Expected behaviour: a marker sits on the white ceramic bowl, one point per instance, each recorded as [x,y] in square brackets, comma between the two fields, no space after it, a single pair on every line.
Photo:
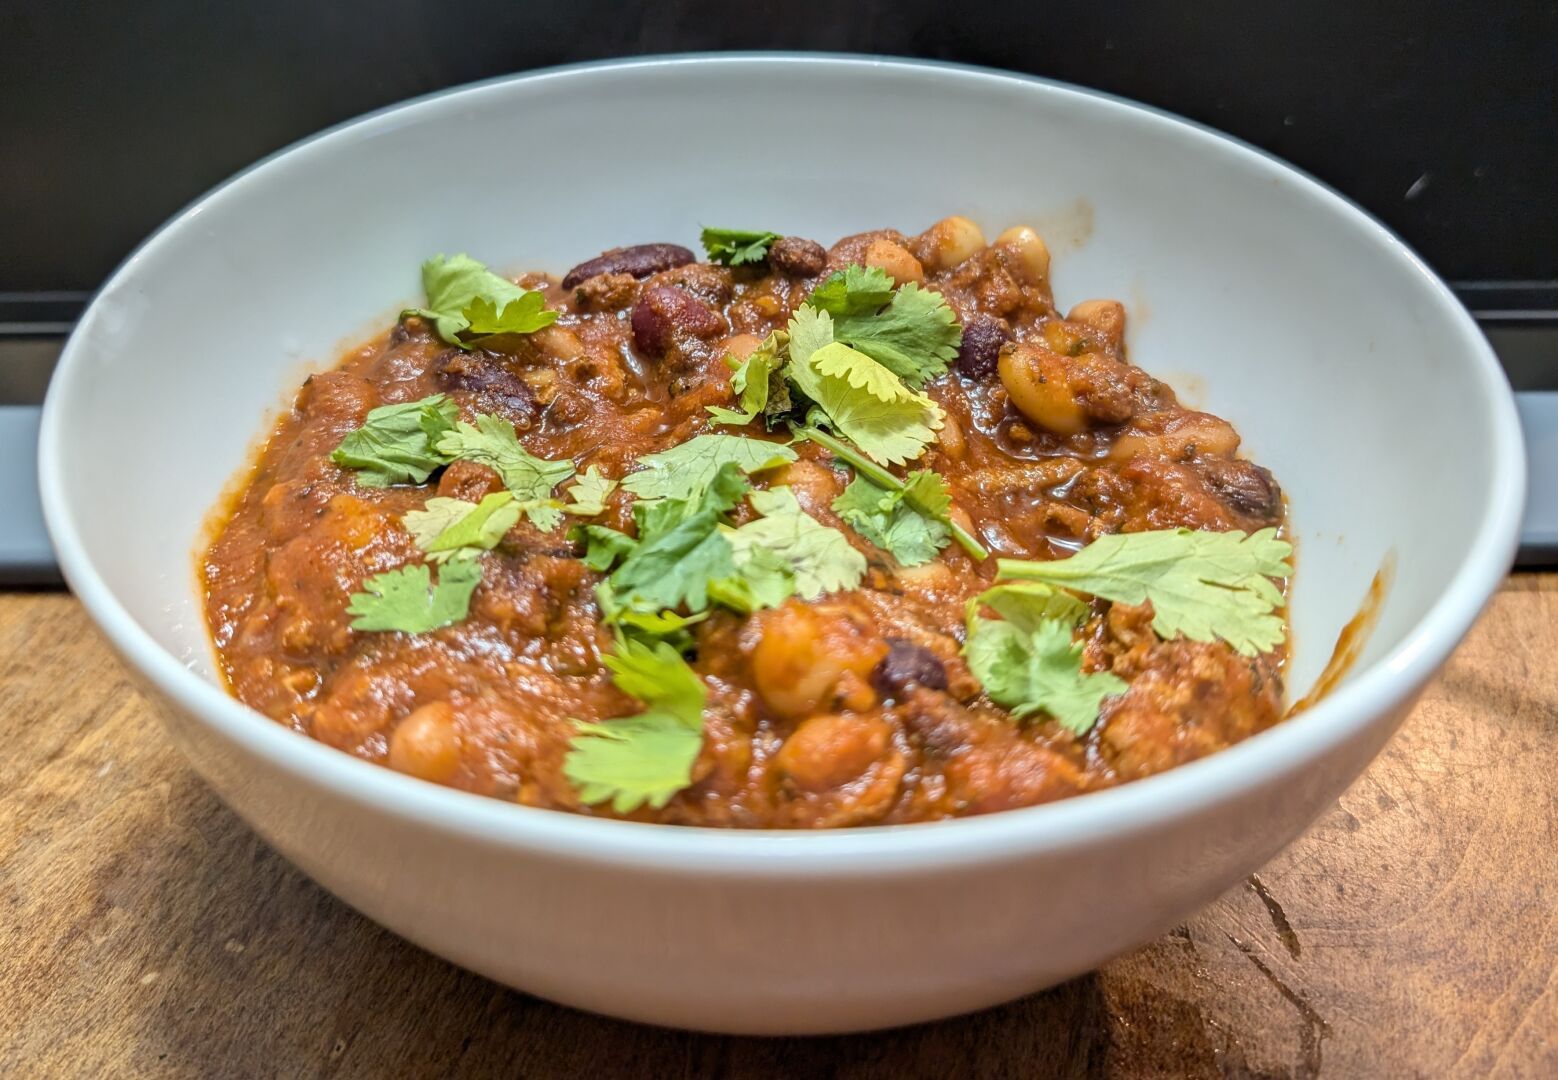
[1350,369]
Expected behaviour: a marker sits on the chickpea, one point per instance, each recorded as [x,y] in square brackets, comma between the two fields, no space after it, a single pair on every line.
[806,660]
[830,750]
[950,241]
[1030,250]
[1035,378]
[901,266]
[951,439]
[1105,316]
[426,744]
[740,346]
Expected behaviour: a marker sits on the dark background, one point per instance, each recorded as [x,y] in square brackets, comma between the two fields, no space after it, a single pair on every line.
[1438,116]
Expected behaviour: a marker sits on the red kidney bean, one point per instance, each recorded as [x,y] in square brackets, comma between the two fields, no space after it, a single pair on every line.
[797,256]
[664,310]
[495,388]
[983,337]
[640,260]
[906,666]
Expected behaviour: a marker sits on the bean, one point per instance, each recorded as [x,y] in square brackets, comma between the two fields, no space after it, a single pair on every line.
[1107,317]
[950,241]
[1032,254]
[830,750]
[640,261]
[1245,486]
[901,266]
[426,744]
[797,256]
[906,666]
[806,660]
[663,311]
[497,389]
[983,336]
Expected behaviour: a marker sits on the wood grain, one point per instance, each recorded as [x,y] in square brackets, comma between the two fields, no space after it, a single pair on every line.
[145,932]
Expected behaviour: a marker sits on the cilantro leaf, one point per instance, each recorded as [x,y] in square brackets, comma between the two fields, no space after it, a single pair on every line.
[685,471]
[763,580]
[915,336]
[407,601]
[752,380]
[455,284]
[603,546]
[928,493]
[1025,604]
[863,400]
[398,443]
[645,758]
[821,558]
[492,442]
[889,520]
[680,548]
[1038,669]
[734,247]
[854,290]
[1203,585]
[455,529]
[523,316]
[589,493]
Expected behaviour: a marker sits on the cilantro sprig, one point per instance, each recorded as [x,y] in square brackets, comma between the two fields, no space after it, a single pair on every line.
[820,558]
[685,470]
[909,330]
[398,444]
[1027,660]
[737,247]
[492,442]
[1202,585]
[466,300]
[919,496]
[856,396]
[648,757]
[888,518]
[449,529]
[409,601]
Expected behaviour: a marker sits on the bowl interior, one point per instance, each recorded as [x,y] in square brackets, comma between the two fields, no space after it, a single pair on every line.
[1260,296]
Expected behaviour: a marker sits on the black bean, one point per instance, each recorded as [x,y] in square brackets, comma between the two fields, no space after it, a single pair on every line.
[640,261]
[1245,486]
[663,311]
[983,337]
[906,666]
[797,256]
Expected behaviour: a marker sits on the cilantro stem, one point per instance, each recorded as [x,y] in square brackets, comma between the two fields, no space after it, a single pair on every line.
[884,479]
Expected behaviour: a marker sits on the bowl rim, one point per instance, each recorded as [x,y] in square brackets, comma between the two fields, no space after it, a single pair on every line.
[1150,803]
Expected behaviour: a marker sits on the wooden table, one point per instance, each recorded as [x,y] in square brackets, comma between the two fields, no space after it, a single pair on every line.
[144,931]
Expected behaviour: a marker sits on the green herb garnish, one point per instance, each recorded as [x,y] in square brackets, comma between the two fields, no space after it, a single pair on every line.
[455,529]
[464,297]
[919,497]
[820,558]
[589,492]
[406,599]
[684,471]
[1203,585]
[858,397]
[492,442]
[1028,662]
[645,758]
[737,247]
[397,444]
